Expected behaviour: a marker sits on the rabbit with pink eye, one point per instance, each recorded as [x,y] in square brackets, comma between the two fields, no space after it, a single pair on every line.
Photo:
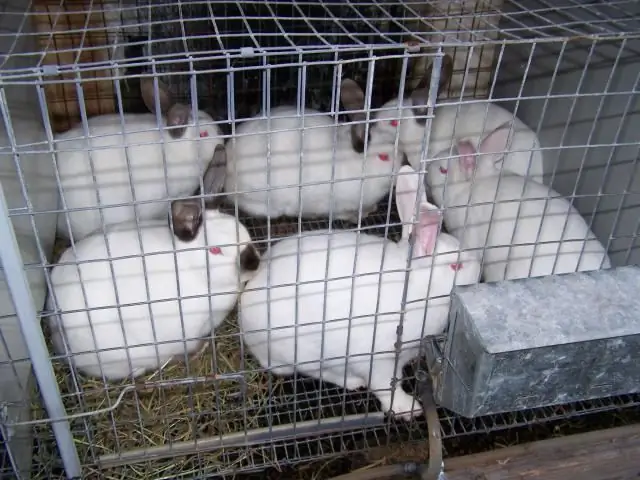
[266,170]
[467,122]
[285,327]
[136,316]
[486,207]
[129,163]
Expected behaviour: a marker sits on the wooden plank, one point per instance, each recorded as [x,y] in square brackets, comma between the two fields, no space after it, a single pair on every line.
[612,454]
[76,32]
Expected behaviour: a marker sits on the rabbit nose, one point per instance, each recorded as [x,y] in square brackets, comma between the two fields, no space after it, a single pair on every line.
[456,266]
[394,123]
[215,250]
[443,170]
[204,134]
[384,157]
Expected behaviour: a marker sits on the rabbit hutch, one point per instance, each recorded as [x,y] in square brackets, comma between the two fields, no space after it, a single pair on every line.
[514,349]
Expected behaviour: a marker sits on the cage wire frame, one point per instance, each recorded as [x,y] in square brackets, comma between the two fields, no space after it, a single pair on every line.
[599,31]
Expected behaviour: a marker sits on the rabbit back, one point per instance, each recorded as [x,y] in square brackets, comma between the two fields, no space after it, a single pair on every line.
[118,182]
[530,216]
[364,293]
[142,324]
[250,173]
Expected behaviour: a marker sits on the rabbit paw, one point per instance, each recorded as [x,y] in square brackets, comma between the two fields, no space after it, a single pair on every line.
[404,406]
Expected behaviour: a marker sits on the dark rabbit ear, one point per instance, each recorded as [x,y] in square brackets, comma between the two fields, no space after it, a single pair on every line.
[177,119]
[352,98]
[186,216]
[214,176]
[146,87]
[176,114]
[420,94]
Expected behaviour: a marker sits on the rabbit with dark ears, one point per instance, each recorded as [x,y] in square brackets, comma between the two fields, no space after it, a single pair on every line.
[529,229]
[127,153]
[193,287]
[301,151]
[287,331]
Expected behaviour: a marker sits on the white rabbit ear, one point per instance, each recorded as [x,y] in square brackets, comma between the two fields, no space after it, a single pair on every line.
[467,158]
[353,98]
[497,142]
[406,191]
[427,229]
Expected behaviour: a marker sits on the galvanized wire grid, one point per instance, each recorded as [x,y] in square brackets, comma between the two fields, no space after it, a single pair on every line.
[252,400]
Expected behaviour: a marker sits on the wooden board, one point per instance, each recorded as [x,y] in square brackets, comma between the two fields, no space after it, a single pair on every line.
[76,32]
[612,454]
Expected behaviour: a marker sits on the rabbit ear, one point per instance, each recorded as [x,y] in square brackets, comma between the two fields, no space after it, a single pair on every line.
[214,176]
[497,142]
[427,229]
[146,87]
[420,95]
[186,214]
[467,158]
[406,191]
[353,98]
[177,115]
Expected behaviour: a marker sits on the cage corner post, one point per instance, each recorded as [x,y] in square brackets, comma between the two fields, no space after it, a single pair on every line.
[17,282]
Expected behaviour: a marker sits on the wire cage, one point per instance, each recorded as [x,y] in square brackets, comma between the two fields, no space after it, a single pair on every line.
[568,70]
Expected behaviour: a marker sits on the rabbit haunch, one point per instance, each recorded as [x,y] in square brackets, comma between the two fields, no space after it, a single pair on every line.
[528,229]
[457,122]
[286,331]
[291,164]
[127,155]
[135,318]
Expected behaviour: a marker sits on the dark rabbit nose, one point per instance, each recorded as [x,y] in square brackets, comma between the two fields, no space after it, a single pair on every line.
[249,259]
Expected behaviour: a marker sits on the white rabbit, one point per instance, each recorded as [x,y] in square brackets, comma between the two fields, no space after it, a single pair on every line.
[288,328]
[187,149]
[256,179]
[132,336]
[459,122]
[551,235]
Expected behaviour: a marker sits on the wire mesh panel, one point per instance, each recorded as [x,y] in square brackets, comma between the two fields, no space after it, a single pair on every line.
[156,89]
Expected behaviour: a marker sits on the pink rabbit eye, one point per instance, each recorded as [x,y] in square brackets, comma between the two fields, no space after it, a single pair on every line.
[443,170]
[384,157]
[204,134]
[394,123]
[215,250]
[456,266]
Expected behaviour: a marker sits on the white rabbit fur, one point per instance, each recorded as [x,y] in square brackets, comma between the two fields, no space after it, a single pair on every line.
[459,122]
[247,167]
[211,299]
[470,185]
[144,142]
[308,301]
